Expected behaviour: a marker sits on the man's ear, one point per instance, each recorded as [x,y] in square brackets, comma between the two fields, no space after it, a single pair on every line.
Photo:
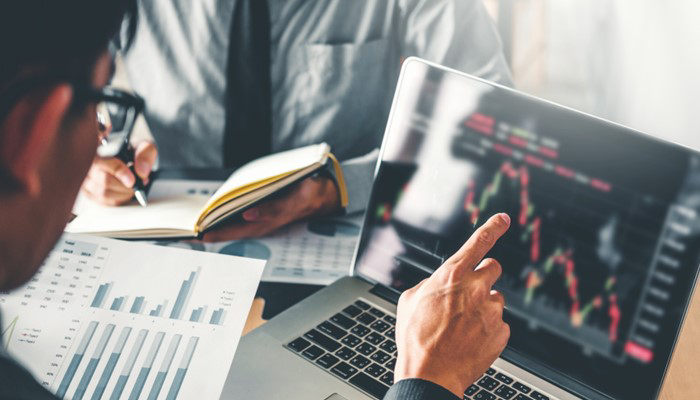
[29,129]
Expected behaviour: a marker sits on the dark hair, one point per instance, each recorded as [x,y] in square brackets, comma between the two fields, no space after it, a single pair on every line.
[63,37]
[57,38]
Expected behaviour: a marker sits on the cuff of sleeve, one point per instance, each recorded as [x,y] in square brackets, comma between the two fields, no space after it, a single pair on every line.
[418,389]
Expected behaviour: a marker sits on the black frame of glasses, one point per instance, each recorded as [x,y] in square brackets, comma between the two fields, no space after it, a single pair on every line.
[83,94]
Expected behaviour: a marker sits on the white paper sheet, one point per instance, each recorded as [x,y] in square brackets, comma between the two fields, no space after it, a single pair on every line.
[172,204]
[104,315]
[274,165]
[313,252]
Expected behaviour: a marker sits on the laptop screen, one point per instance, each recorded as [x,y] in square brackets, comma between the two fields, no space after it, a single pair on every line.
[602,253]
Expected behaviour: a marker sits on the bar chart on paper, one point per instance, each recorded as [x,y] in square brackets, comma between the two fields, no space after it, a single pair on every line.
[114,361]
[176,304]
[156,323]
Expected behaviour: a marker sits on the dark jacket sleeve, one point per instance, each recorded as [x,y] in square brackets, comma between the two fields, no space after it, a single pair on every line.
[418,389]
[17,383]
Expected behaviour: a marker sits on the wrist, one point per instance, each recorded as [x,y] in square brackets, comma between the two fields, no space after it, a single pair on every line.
[439,374]
[329,197]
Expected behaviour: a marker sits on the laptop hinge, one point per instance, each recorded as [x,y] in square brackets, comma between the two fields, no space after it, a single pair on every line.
[385,293]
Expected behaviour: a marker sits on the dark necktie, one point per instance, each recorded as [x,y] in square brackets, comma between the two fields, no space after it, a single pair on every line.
[248,129]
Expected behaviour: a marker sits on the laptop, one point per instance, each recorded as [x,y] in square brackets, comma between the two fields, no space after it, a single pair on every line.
[598,266]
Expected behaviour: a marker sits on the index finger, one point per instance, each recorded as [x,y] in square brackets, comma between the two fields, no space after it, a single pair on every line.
[480,242]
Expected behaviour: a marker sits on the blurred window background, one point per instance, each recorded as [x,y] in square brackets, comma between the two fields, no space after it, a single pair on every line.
[635,62]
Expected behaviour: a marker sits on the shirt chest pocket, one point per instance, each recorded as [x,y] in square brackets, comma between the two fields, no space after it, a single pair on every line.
[338,74]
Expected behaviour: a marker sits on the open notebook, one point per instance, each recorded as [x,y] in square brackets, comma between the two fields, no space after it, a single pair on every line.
[189,215]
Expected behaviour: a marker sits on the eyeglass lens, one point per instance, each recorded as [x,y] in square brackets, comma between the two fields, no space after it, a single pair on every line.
[112,128]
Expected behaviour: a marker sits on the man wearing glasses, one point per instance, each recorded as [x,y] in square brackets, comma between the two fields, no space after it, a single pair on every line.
[227,81]
[53,65]
[54,110]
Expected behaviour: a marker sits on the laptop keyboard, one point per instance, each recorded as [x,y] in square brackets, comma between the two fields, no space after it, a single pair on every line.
[357,345]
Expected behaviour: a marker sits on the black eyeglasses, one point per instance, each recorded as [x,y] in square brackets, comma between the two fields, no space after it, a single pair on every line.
[117,110]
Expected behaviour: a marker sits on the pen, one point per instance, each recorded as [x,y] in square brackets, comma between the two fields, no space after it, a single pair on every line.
[127,155]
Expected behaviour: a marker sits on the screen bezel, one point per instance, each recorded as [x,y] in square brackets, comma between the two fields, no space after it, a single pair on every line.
[523,361]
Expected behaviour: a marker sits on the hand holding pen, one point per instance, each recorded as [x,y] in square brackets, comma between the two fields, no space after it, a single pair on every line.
[113,181]
[127,154]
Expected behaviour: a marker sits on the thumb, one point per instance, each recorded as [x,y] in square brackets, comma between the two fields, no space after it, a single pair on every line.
[145,156]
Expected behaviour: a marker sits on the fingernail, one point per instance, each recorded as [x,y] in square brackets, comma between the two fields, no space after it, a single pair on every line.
[126,178]
[505,218]
[142,168]
[251,215]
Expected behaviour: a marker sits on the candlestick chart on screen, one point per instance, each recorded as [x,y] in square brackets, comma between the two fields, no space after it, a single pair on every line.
[559,265]
[576,253]
[579,249]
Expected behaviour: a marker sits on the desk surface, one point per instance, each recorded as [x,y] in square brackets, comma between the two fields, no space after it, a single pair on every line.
[683,379]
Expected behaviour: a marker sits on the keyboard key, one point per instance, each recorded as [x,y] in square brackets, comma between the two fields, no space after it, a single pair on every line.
[388,346]
[322,340]
[390,319]
[391,334]
[538,396]
[505,392]
[343,321]
[488,383]
[523,388]
[391,364]
[351,340]
[369,385]
[374,338]
[352,311]
[327,361]
[380,326]
[360,330]
[504,378]
[331,330]
[521,397]
[344,370]
[362,304]
[484,395]
[359,362]
[366,349]
[490,371]
[380,357]
[388,378]
[312,352]
[471,390]
[377,313]
[298,344]
[366,318]
[375,370]
[345,353]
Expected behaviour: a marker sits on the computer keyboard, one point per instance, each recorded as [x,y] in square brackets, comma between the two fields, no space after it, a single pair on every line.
[357,345]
